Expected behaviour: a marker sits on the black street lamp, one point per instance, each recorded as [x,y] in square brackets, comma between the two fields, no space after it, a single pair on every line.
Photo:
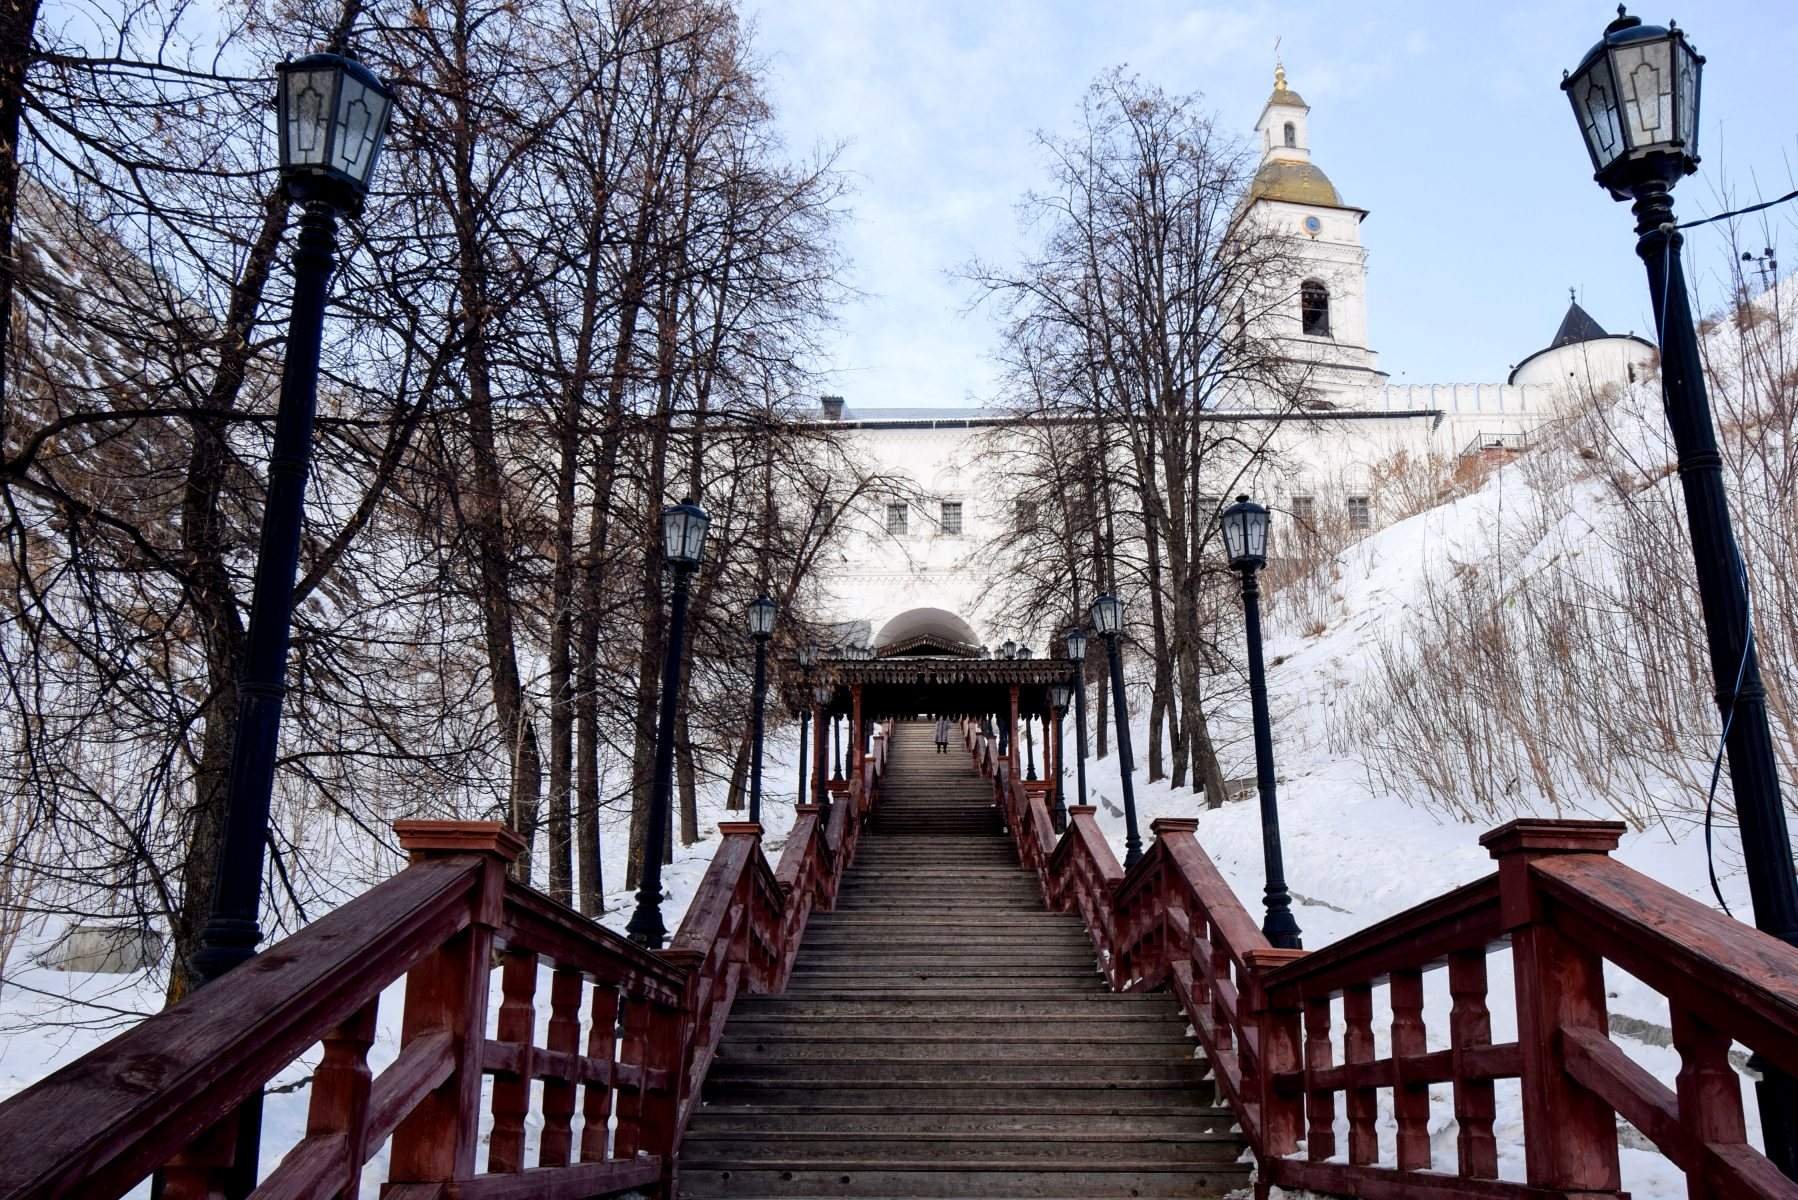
[1029,751]
[1635,96]
[1058,809]
[1245,540]
[1009,649]
[836,749]
[683,546]
[1076,639]
[331,115]
[1108,623]
[761,628]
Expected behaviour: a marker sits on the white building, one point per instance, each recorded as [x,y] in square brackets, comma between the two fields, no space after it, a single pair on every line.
[917,568]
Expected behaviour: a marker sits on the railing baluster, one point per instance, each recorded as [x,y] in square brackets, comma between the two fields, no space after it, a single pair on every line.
[1470,1026]
[596,1099]
[340,1086]
[1410,1101]
[1320,1103]
[1710,1094]
[554,1147]
[512,1089]
[1361,1103]
[631,1053]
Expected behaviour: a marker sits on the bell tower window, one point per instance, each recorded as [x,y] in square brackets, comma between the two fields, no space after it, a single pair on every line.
[1314,308]
[1292,136]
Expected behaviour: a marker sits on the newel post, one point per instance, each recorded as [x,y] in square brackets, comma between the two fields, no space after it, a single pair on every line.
[447,994]
[1570,1135]
[1277,1019]
[1176,932]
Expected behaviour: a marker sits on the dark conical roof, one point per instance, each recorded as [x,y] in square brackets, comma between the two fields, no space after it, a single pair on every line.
[1576,326]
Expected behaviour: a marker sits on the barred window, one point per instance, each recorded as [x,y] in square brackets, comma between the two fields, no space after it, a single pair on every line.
[951,518]
[896,523]
[1360,512]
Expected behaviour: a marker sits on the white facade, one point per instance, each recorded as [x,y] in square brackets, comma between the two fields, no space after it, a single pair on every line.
[924,560]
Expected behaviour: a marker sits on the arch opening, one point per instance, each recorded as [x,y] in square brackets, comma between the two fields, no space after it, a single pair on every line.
[935,623]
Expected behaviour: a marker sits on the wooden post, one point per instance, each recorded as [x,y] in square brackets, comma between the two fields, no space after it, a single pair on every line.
[1011,734]
[1410,1099]
[1570,1135]
[856,756]
[447,993]
[821,765]
[1469,1028]
[1360,1103]
[1320,1103]
[1282,1115]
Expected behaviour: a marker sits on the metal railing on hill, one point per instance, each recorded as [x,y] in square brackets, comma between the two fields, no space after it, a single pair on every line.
[1558,908]
[630,1032]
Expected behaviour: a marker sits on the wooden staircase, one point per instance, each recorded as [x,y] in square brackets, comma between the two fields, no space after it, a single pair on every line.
[943,1035]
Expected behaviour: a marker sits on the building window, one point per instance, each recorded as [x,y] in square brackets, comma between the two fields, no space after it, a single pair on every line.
[1026,516]
[1360,513]
[896,518]
[1314,308]
[1304,513]
[1209,507]
[1292,136]
[952,518]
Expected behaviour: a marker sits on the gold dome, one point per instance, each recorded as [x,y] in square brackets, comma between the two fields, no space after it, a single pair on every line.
[1294,182]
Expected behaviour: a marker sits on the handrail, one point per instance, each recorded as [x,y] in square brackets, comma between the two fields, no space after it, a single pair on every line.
[630,1033]
[1558,906]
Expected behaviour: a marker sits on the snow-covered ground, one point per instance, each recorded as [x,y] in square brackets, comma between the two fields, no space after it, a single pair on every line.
[1355,854]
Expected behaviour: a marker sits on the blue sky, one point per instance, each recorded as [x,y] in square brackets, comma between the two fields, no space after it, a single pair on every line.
[1444,119]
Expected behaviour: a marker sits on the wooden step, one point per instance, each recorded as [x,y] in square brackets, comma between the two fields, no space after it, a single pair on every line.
[1001,1180]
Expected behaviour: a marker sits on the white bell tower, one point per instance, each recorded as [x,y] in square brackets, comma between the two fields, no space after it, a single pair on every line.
[1324,308]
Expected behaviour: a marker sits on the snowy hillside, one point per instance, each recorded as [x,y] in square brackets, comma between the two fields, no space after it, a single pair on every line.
[1360,844]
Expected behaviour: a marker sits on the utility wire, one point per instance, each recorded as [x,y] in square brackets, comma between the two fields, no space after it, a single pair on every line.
[1740,212]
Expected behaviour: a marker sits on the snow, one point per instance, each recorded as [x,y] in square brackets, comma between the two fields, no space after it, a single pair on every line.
[49,1018]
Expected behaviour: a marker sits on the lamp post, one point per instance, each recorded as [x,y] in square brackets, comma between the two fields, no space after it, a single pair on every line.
[1245,540]
[761,628]
[1108,622]
[1029,751]
[331,115]
[1058,809]
[683,546]
[1076,639]
[1635,96]
[807,655]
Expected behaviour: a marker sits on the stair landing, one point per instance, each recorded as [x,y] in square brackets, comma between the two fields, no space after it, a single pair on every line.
[943,1035]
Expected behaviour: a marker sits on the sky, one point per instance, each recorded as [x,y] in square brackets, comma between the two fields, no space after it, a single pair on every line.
[1444,119]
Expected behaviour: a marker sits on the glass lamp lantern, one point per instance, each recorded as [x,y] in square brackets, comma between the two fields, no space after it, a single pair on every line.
[1008,649]
[761,617]
[986,651]
[807,655]
[683,534]
[1635,96]
[1108,615]
[1076,638]
[823,693]
[1024,652]
[1059,694]
[331,114]
[1245,534]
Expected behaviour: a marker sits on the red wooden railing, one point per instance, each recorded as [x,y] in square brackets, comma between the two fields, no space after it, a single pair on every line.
[1558,907]
[629,1037]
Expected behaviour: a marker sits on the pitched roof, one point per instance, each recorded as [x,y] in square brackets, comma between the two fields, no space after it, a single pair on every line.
[1576,326]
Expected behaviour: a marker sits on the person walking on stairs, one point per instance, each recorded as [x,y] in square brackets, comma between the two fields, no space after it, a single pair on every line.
[942,734]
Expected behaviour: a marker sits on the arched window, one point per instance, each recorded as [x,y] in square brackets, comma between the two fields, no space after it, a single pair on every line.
[1314,308]
[1292,136]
